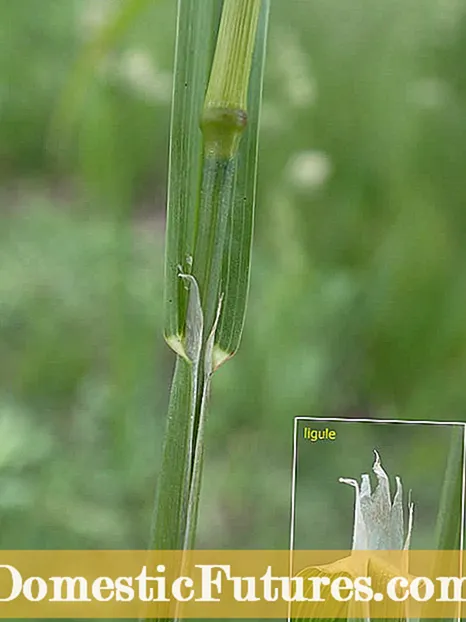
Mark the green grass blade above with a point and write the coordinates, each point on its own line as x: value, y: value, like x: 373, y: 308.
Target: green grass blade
x: 449, y: 518
x: 214, y: 210
x: 237, y: 257
x: 222, y: 123
x: 448, y: 528
x: 195, y: 38
x: 174, y: 485
x: 198, y: 215
x: 173, y: 482
x: 184, y: 322
x: 198, y: 456
x: 224, y: 118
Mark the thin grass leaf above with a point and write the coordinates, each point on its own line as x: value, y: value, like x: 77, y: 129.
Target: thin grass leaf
x: 183, y: 313
x: 224, y: 120
x: 184, y: 324
x: 237, y: 258
x: 198, y: 458
x: 195, y: 40
x: 449, y: 518
x: 174, y: 493
x: 448, y: 527
x: 218, y: 177
x: 173, y: 484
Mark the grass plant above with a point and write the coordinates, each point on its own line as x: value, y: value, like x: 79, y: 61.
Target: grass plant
x: 220, y: 53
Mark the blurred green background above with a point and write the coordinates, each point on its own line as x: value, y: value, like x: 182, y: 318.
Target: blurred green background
x: 358, y: 297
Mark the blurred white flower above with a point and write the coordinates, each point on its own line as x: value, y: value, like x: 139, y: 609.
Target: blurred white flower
x: 94, y: 15
x: 135, y: 67
x: 379, y: 521
x: 449, y: 14
x: 428, y: 93
x: 138, y: 70
x: 21, y: 443
x: 309, y: 169
x: 293, y: 69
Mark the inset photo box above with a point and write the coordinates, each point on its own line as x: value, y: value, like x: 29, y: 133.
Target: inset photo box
x: 418, y: 468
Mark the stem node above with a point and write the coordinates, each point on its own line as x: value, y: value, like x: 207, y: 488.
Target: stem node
x: 222, y: 129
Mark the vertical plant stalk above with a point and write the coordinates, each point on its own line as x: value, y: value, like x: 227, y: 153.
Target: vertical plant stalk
x: 212, y: 139
x: 449, y: 526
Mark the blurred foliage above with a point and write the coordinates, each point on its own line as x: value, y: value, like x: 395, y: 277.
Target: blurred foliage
x: 80, y: 381
x: 358, y: 293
